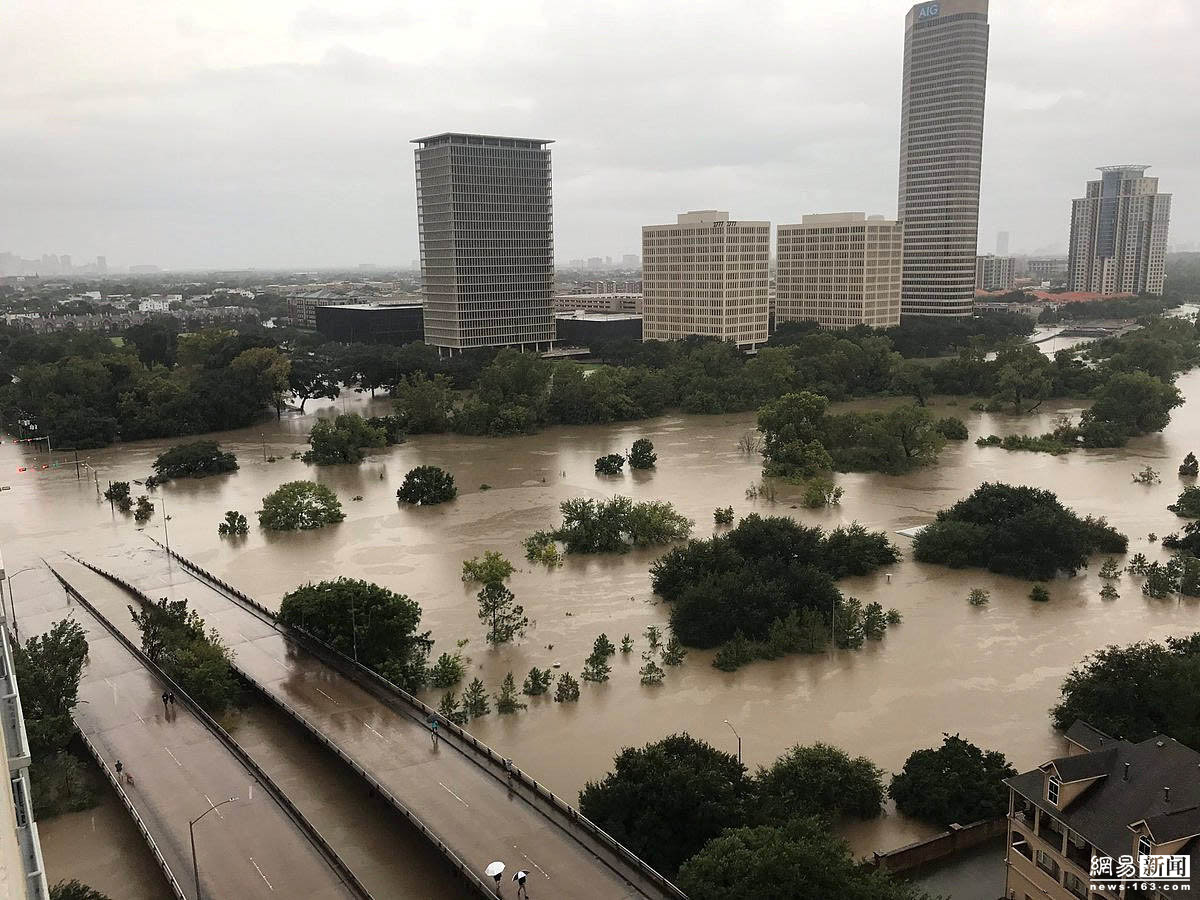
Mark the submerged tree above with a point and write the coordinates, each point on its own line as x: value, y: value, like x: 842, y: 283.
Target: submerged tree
x: 1189, y: 467
x: 537, y: 682
x: 610, y: 464
x: 452, y: 709
x: 475, y: 700
x: 504, y: 616
x: 651, y: 672
x: 567, y: 690
x: 234, y: 524
x: 508, y: 700
x: 641, y: 455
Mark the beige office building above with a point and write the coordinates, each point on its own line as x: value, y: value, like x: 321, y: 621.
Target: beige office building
x: 993, y: 273
x: 706, y: 275
x: 840, y: 270
x: 1119, y: 234
x: 941, y: 151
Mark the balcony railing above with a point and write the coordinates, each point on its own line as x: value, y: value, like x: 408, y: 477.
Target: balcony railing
x: 15, y: 740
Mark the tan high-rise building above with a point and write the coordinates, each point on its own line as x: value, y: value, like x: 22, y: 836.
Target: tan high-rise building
x: 706, y: 275
x: 840, y: 270
x: 1119, y: 234
x: 941, y: 149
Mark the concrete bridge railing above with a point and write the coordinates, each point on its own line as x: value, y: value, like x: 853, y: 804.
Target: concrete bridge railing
x: 310, y: 831
x: 388, y: 691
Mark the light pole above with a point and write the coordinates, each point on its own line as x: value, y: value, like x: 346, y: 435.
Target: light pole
x: 192, y: 835
x: 12, y: 602
x: 739, y: 737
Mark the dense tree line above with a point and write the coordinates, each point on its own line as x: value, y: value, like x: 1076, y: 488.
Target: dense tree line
x: 695, y: 812
x: 769, y: 580
x: 1136, y: 691
x: 1021, y: 531
x: 801, y: 438
x: 197, y: 459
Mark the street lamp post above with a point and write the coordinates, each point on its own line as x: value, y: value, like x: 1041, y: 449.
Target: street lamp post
x: 192, y: 835
x: 12, y: 601
x: 739, y: 737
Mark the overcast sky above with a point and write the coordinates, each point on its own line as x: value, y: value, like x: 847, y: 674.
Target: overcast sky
x: 275, y: 133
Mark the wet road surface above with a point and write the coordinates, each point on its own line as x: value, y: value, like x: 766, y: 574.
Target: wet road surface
x: 177, y: 769
x: 466, y: 805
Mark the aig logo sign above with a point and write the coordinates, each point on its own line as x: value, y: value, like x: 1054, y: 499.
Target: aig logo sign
x: 928, y: 11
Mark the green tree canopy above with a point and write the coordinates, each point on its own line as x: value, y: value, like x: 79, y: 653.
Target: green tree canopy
x: 300, y: 505
x: 174, y: 637
x: 48, y: 669
x: 1020, y: 531
x: 664, y: 801
x: 819, y: 780
x: 196, y: 459
x: 426, y: 486
x: 957, y: 782
x: 642, y: 455
x: 799, y: 859
x: 1135, y: 691
x: 345, y: 439
x: 365, y: 621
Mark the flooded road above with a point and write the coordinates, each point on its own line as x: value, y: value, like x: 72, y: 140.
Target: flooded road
x: 989, y: 673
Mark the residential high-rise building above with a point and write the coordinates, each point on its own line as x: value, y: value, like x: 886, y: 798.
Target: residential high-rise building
x: 839, y: 270
x: 941, y: 148
x: 993, y: 273
x: 706, y: 275
x: 485, y: 216
x: 1119, y: 234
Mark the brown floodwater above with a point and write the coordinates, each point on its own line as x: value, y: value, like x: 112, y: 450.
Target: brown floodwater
x: 989, y: 673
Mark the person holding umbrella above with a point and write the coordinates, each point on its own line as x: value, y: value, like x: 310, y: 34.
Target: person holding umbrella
x: 519, y: 878
x: 495, y: 870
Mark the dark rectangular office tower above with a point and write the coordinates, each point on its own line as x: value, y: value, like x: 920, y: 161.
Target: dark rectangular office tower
x: 485, y: 216
x: 941, y: 148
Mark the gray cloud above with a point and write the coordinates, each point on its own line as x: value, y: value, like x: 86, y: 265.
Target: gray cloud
x: 278, y: 133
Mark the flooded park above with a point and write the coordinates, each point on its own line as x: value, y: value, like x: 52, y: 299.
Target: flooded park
x: 988, y: 673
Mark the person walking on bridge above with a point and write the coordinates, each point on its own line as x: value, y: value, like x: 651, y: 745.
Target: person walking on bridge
x: 166, y: 699
x: 433, y: 730
x: 519, y: 878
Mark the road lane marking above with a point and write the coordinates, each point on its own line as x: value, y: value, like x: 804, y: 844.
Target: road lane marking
x: 213, y: 806
x: 530, y: 861
x: 374, y: 732
x: 323, y: 694
x: 250, y: 792
x: 260, y: 872
x: 174, y: 757
x: 456, y: 797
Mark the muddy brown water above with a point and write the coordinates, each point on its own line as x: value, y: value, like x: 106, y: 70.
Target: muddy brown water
x: 989, y: 673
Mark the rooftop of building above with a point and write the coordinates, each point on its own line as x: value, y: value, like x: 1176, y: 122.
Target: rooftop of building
x: 1132, y: 167
x: 810, y: 220
x: 580, y: 315
x: 387, y: 304
x: 1153, y: 783
x: 448, y: 137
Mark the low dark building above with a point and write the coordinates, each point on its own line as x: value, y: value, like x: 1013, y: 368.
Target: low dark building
x: 582, y: 329
x: 372, y: 323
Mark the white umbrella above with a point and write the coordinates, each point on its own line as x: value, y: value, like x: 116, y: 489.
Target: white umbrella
x: 520, y: 874
x: 494, y: 869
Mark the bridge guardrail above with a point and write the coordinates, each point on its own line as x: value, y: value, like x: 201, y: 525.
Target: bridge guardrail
x: 172, y: 882
x: 331, y: 856
x: 362, y: 674
x: 456, y: 862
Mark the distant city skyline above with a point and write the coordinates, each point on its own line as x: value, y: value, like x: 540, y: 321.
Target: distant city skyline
x: 274, y: 135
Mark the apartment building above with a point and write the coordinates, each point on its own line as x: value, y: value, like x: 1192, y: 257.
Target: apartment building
x: 1105, y: 799
x: 993, y: 273
x: 840, y: 270
x: 941, y: 152
x: 485, y: 217
x: 608, y: 302
x: 1119, y: 234
x: 706, y: 275
x: 22, y: 874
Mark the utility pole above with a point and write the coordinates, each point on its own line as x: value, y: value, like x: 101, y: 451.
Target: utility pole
x: 192, y: 834
x: 739, y: 737
x: 262, y: 435
x: 76, y: 465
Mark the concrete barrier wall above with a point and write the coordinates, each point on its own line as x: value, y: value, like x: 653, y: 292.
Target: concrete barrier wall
x: 387, y: 691
x: 959, y: 837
